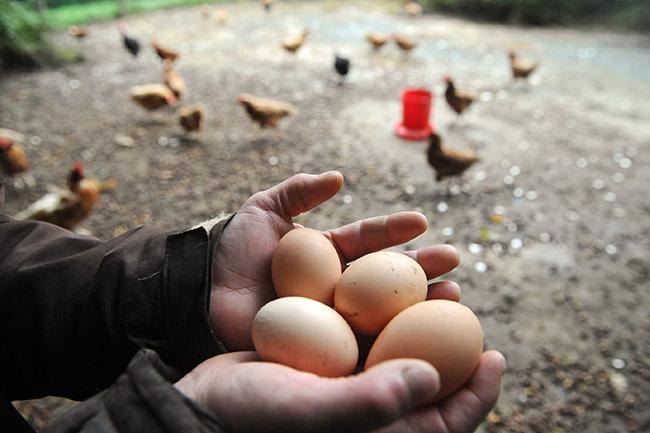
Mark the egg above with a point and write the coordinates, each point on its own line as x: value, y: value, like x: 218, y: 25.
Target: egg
x: 376, y: 287
x: 305, y: 263
x: 446, y: 334
x: 306, y: 335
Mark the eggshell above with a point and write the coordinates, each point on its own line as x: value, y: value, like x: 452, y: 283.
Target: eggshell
x: 305, y: 263
x: 376, y: 287
x: 306, y: 335
x: 444, y: 333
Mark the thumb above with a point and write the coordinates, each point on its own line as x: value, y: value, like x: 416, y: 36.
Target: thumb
x: 265, y: 397
x: 299, y: 193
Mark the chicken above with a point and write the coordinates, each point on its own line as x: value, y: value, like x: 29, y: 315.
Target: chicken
x: 130, y: 43
x: 294, y: 43
x: 221, y: 17
x: 377, y: 40
x: 266, y: 112
x: 341, y: 66
x: 12, y: 153
x: 78, y: 31
x: 412, y: 9
x: 172, y: 79
x: 458, y: 99
x: 191, y: 117
x: 205, y: 11
x: 152, y: 96
x: 404, y: 42
x: 521, y: 68
x: 266, y: 4
x: 164, y: 53
x: 448, y: 162
x: 67, y: 208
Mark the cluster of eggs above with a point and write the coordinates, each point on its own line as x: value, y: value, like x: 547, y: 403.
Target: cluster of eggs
x: 312, y: 325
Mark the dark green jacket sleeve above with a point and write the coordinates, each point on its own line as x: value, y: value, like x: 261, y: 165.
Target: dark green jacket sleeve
x: 75, y: 309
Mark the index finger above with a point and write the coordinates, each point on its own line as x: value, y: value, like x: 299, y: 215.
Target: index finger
x: 373, y: 234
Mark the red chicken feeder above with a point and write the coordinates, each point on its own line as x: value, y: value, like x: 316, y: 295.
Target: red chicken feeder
x: 415, y: 124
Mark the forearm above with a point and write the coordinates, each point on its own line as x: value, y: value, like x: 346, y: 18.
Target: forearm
x: 74, y: 309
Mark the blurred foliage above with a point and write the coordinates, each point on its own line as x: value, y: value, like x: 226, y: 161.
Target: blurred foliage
x: 22, y: 36
x: 632, y: 14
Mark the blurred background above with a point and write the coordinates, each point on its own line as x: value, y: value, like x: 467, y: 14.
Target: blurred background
x: 167, y: 112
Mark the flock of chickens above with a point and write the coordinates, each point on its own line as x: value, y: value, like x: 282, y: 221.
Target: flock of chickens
x: 68, y: 207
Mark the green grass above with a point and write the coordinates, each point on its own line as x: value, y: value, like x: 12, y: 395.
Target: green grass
x: 82, y: 13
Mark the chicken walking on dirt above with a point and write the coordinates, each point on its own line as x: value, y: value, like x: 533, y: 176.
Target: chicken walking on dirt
x: 130, y: 43
x: 448, y: 162
x: 458, y: 99
x: 412, y: 9
x: 152, y: 96
x: 172, y: 79
x: 266, y: 112
x: 67, y: 208
x: 342, y: 67
x: 191, y: 118
x: 404, y: 42
x: 521, y: 68
x: 12, y: 153
x: 164, y: 53
x: 294, y: 43
x: 78, y: 32
x: 377, y: 40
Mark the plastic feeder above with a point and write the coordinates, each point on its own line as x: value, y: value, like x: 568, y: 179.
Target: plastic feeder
x: 415, y: 124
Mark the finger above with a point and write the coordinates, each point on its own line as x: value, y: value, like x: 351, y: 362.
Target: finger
x: 466, y: 409
x: 444, y: 290
x: 299, y: 193
x: 284, y: 399
x: 436, y: 260
x: 373, y: 234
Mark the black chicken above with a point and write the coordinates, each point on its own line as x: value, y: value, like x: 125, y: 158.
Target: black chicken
x: 131, y: 44
x: 342, y: 67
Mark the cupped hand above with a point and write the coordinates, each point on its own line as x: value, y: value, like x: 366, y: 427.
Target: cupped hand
x: 241, y: 268
x: 391, y: 397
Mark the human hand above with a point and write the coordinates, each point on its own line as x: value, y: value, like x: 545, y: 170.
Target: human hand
x: 241, y: 268
x: 393, y: 396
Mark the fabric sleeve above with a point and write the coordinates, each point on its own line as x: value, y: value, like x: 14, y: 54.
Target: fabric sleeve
x: 143, y: 399
x: 75, y: 309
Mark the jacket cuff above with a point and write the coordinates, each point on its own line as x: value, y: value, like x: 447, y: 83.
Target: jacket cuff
x: 185, y: 338
x: 143, y: 399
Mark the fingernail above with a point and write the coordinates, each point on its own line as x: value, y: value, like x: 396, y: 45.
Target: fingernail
x: 422, y: 382
x: 329, y: 173
x: 503, y: 362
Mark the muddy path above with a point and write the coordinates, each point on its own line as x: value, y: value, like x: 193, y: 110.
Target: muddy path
x: 553, y: 224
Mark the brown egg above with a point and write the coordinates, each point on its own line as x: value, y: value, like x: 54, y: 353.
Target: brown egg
x: 305, y: 263
x: 376, y: 287
x: 306, y: 335
x: 444, y: 333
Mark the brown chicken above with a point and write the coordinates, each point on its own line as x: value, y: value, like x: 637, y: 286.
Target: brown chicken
x: 293, y: 44
x: 78, y: 31
x: 377, y: 40
x: 266, y: 112
x: 412, y: 9
x: 448, y: 162
x: 164, y: 53
x: 221, y: 17
x: 458, y: 99
x: 191, y: 117
x: 266, y: 4
x: 172, y: 79
x: 12, y: 153
x: 67, y: 208
x: 205, y: 11
x: 152, y: 96
x: 521, y: 68
x: 404, y: 42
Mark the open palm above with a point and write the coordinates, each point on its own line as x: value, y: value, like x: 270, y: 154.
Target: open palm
x: 241, y: 270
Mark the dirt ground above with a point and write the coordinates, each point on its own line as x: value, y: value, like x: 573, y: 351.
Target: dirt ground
x: 553, y: 225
